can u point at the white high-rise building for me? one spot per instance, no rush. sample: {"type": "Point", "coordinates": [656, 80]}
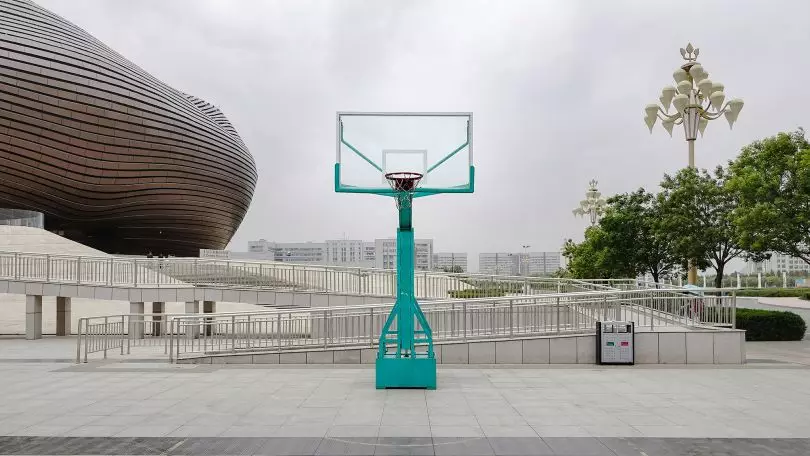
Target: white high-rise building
{"type": "Point", "coordinates": [450, 261]}
{"type": "Point", "coordinates": [386, 254]}
{"type": "Point", "coordinates": [526, 264]}
{"type": "Point", "coordinates": [345, 252]}
{"type": "Point", "coordinates": [778, 263]}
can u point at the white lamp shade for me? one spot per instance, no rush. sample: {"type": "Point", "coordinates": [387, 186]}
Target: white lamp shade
{"type": "Point", "coordinates": [651, 109]}
{"type": "Point", "coordinates": [717, 99]}
{"type": "Point", "coordinates": [680, 75]}
{"type": "Point", "coordinates": [735, 106]}
{"type": "Point", "coordinates": [705, 86]}
{"type": "Point", "coordinates": [731, 117]}
{"type": "Point", "coordinates": [680, 101]}
{"type": "Point", "coordinates": [684, 87]}
{"type": "Point", "coordinates": [650, 121]}
{"type": "Point", "coordinates": [666, 96]}
{"type": "Point", "coordinates": [718, 87]}
{"type": "Point", "coordinates": [668, 125]}
{"type": "Point", "coordinates": [697, 72]}
{"type": "Point", "coordinates": [702, 125]}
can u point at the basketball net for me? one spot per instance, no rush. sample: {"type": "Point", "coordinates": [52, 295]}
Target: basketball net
{"type": "Point", "coordinates": [404, 183]}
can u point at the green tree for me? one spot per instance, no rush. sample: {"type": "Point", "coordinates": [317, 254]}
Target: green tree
{"type": "Point", "coordinates": [634, 242]}
{"type": "Point", "coordinates": [453, 269]}
{"type": "Point", "coordinates": [586, 259]}
{"type": "Point", "coordinates": [771, 179]}
{"type": "Point", "coordinates": [697, 214]}
{"type": "Point", "coordinates": [625, 243]}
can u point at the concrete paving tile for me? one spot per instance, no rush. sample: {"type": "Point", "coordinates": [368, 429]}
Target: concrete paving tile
{"type": "Point", "coordinates": [519, 446]}
{"type": "Point", "coordinates": [251, 431]}
{"type": "Point", "coordinates": [578, 446]}
{"type": "Point", "coordinates": [453, 420]}
{"type": "Point", "coordinates": [146, 431]}
{"type": "Point", "coordinates": [285, 446]}
{"type": "Point", "coordinates": [560, 431]}
{"type": "Point", "coordinates": [198, 431]}
{"type": "Point", "coordinates": [456, 431]}
{"type": "Point", "coordinates": [509, 431]}
{"type": "Point", "coordinates": [405, 431]}
{"type": "Point", "coordinates": [300, 430]}
{"type": "Point", "coordinates": [94, 431]}
{"type": "Point", "coordinates": [458, 446]}
{"type": "Point", "coordinates": [404, 446]}
{"type": "Point", "coordinates": [353, 431]}
{"type": "Point", "coordinates": [44, 431]}
{"type": "Point", "coordinates": [361, 446]}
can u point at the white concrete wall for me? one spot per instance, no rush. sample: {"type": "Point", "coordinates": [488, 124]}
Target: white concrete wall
{"type": "Point", "coordinates": [687, 347]}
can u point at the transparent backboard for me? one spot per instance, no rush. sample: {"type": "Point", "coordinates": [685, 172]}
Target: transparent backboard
{"type": "Point", "coordinates": [436, 145]}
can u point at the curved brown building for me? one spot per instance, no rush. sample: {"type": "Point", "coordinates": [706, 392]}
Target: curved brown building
{"type": "Point", "coordinates": [113, 157]}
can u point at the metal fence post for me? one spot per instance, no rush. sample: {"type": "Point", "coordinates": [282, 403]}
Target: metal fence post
{"type": "Point", "coordinates": [233, 333]}
{"type": "Point", "coordinates": [16, 266]}
{"type": "Point", "coordinates": [79, 271]}
{"type": "Point", "coordinates": [123, 334]}
{"type": "Point", "coordinates": [110, 270]}
{"type": "Point", "coordinates": [106, 331]}
{"type": "Point", "coordinates": [733, 309]}
{"type": "Point", "coordinates": [464, 320]}
{"type": "Point", "coordinates": [47, 268]}
{"type": "Point", "coordinates": [79, 341]}
{"type": "Point", "coordinates": [371, 327]}
{"type": "Point", "coordinates": [278, 330]}
{"type": "Point", "coordinates": [558, 314]}
{"type": "Point", "coordinates": [325, 329]}
{"type": "Point", "coordinates": [135, 272]}
{"type": "Point", "coordinates": [511, 317]}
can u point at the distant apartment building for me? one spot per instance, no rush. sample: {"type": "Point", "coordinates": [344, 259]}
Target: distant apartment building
{"type": "Point", "coordinates": [289, 252]}
{"type": "Point", "coordinates": [382, 253]}
{"type": "Point", "coordinates": [777, 263]}
{"type": "Point", "coordinates": [386, 254]}
{"type": "Point", "coordinates": [526, 264]}
{"type": "Point", "coordinates": [449, 261]}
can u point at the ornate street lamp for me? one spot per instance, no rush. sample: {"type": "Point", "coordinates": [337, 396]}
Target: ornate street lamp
{"type": "Point", "coordinates": [696, 100]}
{"type": "Point", "coordinates": [593, 205]}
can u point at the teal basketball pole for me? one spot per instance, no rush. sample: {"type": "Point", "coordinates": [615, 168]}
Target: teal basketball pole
{"type": "Point", "coordinates": [400, 363]}
{"type": "Point", "coordinates": [405, 356]}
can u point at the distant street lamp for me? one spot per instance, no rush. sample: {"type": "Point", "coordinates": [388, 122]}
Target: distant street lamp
{"type": "Point", "coordinates": [593, 205]}
{"type": "Point", "coordinates": [525, 258]}
{"type": "Point", "coordinates": [696, 100]}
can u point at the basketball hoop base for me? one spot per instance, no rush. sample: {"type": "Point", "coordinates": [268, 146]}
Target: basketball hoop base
{"type": "Point", "coordinates": [406, 373]}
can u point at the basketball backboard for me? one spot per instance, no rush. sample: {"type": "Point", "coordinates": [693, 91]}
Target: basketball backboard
{"type": "Point", "coordinates": [436, 145]}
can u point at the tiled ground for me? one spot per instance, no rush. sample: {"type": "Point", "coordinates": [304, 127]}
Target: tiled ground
{"type": "Point", "coordinates": [560, 446]}
{"type": "Point", "coordinates": [161, 400]}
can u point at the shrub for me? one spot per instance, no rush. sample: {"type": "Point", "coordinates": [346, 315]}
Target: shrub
{"type": "Point", "coordinates": [764, 325]}
{"type": "Point", "coordinates": [476, 293]}
{"type": "Point", "coordinates": [774, 292]}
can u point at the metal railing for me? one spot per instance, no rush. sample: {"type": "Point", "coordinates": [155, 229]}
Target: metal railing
{"type": "Point", "coordinates": [122, 333]}
{"type": "Point", "coordinates": [477, 319]}
{"type": "Point", "coordinates": [186, 272]}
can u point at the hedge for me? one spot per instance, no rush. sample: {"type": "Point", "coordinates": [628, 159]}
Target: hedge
{"type": "Point", "coordinates": [477, 293]}
{"type": "Point", "coordinates": [803, 293]}
{"type": "Point", "coordinates": [762, 325]}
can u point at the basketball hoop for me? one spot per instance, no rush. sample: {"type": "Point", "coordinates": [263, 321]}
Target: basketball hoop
{"type": "Point", "coordinates": [404, 183]}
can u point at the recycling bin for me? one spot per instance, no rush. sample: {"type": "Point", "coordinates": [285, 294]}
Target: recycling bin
{"type": "Point", "coordinates": [615, 342]}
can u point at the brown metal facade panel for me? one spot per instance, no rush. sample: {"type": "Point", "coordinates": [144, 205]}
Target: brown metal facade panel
{"type": "Point", "coordinates": [113, 157]}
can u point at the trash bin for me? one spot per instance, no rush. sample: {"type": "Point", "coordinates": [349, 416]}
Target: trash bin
{"type": "Point", "coordinates": [615, 342]}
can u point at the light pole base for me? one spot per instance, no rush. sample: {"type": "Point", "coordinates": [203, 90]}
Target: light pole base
{"type": "Point", "coordinates": [406, 373]}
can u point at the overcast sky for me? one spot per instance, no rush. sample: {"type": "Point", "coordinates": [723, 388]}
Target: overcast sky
{"type": "Point", "coordinates": [557, 88]}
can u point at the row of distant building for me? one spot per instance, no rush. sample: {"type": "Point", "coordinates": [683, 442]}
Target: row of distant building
{"type": "Point", "coordinates": [382, 253]}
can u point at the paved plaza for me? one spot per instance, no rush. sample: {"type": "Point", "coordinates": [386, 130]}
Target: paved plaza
{"type": "Point", "coordinates": [151, 407]}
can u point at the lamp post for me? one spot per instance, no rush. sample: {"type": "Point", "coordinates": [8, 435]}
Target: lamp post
{"type": "Point", "coordinates": [696, 100]}
{"type": "Point", "coordinates": [525, 259]}
{"type": "Point", "coordinates": [593, 205]}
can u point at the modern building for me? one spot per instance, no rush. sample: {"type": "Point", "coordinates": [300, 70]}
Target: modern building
{"type": "Point", "coordinates": [777, 263]}
{"type": "Point", "coordinates": [382, 253]}
{"type": "Point", "coordinates": [290, 252]}
{"type": "Point", "coordinates": [109, 155]}
{"type": "Point", "coordinates": [526, 264]}
{"type": "Point", "coordinates": [386, 254]}
{"type": "Point", "coordinates": [449, 261]}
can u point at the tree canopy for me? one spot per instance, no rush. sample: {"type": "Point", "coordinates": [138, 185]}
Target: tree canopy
{"type": "Point", "coordinates": [771, 179]}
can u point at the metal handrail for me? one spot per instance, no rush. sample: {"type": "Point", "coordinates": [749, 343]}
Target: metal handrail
{"type": "Point", "coordinates": [187, 272]}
